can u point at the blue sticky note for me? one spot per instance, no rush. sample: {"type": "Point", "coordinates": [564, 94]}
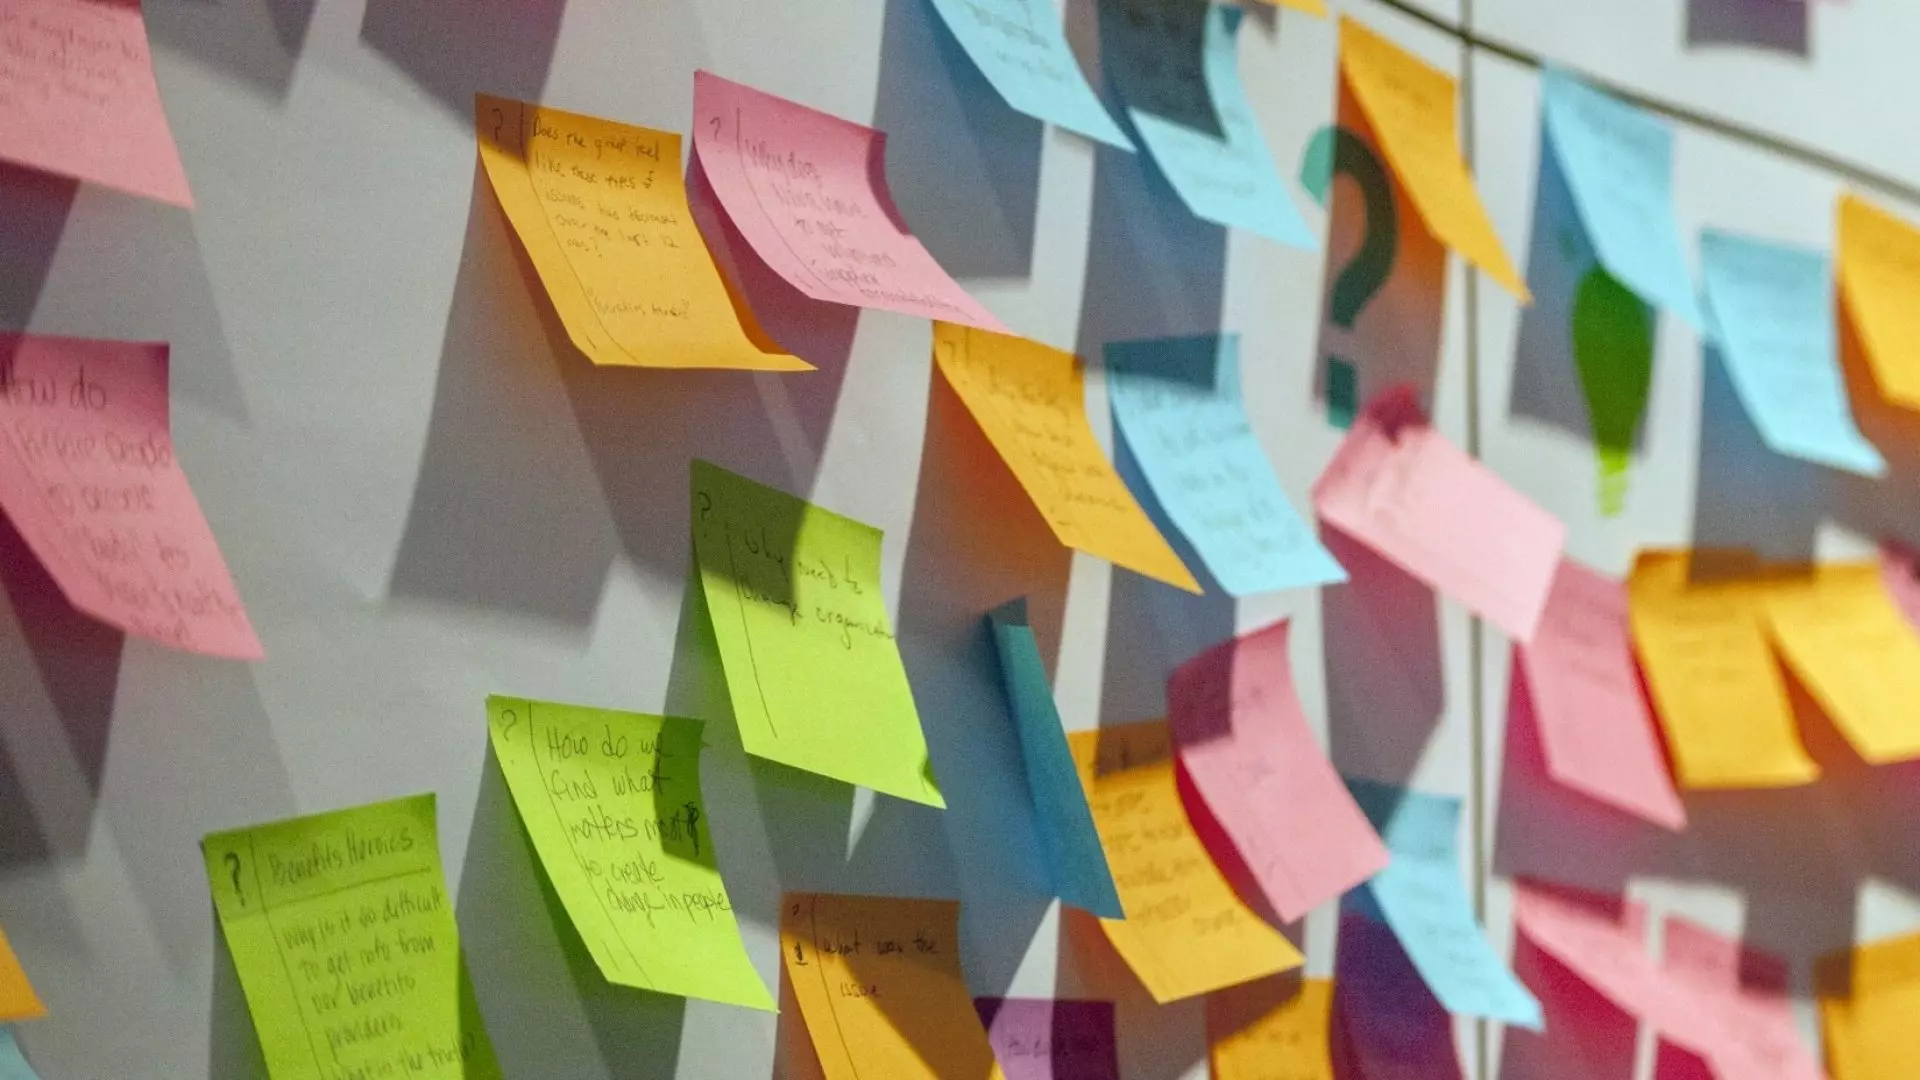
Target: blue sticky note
{"type": "Point", "coordinates": [1074, 856]}
{"type": "Point", "coordinates": [1178, 404]}
{"type": "Point", "coordinates": [1770, 309]}
{"type": "Point", "coordinates": [1618, 164]}
{"type": "Point", "coordinates": [1021, 49]}
{"type": "Point", "coordinates": [1420, 897]}
{"type": "Point", "coordinates": [13, 1064]}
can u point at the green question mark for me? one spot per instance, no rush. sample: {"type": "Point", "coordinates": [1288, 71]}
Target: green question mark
{"type": "Point", "coordinates": [1335, 151]}
{"type": "Point", "coordinates": [1613, 351]}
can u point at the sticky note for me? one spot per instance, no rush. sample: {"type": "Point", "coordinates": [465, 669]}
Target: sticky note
{"type": "Point", "coordinates": [1869, 996]}
{"type": "Point", "coordinates": [1186, 931]}
{"type": "Point", "coordinates": [1772, 320]}
{"type": "Point", "coordinates": [1700, 629]}
{"type": "Point", "coordinates": [78, 92]}
{"type": "Point", "coordinates": [1731, 1006]}
{"type": "Point", "coordinates": [1072, 845]}
{"type": "Point", "coordinates": [612, 802]}
{"type": "Point", "coordinates": [1618, 163]}
{"type": "Point", "coordinates": [1021, 48]}
{"type": "Point", "coordinates": [1387, 1024]}
{"type": "Point", "coordinates": [1240, 733]}
{"type": "Point", "coordinates": [1399, 487]}
{"type": "Point", "coordinates": [1030, 402]}
{"type": "Point", "coordinates": [601, 211]}
{"type": "Point", "coordinates": [1587, 1036]}
{"type": "Point", "coordinates": [1311, 7]}
{"type": "Point", "coordinates": [879, 983]}
{"type": "Point", "coordinates": [1595, 728]}
{"type": "Point", "coordinates": [1413, 109]}
{"type": "Point", "coordinates": [811, 665]}
{"type": "Point", "coordinates": [90, 480]}
{"type": "Point", "coordinates": [1879, 271]}
{"type": "Point", "coordinates": [17, 999]}
{"type": "Point", "coordinates": [13, 1064]}
{"type": "Point", "coordinates": [1420, 896]}
{"type": "Point", "coordinates": [1178, 404]}
{"type": "Point", "coordinates": [1597, 938]}
{"type": "Point", "coordinates": [1900, 573]}
{"type": "Point", "coordinates": [1271, 1029]}
{"type": "Point", "coordinates": [808, 191]}
{"type": "Point", "coordinates": [1051, 1039]}
{"type": "Point", "coordinates": [343, 935]}
{"type": "Point", "coordinates": [1855, 653]}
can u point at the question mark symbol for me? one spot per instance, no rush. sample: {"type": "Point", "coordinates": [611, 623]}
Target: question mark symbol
{"type": "Point", "coordinates": [715, 123]}
{"type": "Point", "coordinates": [233, 870]}
{"type": "Point", "coordinates": [1613, 352]}
{"type": "Point", "coordinates": [1335, 151]}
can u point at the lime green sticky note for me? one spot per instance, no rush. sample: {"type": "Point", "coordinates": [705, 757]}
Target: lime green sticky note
{"type": "Point", "coordinates": [811, 665]}
{"type": "Point", "coordinates": [343, 934]}
{"type": "Point", "coordinates": [612, 801]}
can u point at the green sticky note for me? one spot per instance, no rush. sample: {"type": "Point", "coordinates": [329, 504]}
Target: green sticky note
{"type": "Point", "coordinates": [612, 801]}
{"type": "Point", "coordinates": [811, 666]}
{"type": "Point", "coordinates": [343, 934]}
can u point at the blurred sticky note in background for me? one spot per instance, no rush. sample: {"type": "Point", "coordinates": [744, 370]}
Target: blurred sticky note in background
{"type": "Point", "coordinates": [1879, 256]}
{"type": "Point", "coordinates": [1051, 1039]}
{"type": "Point", "coordinates": [1031, 403]}
{"type": "Point", "coordinates": [17, 999]}
{"type": "Point", "coordinates": [1771, 310]}
{"type": "Point", "coordinates": [343, 935]}
{"type": "Point", "coordinates": [13, 1064]}
{"type": "Point", "coordinates": [612, 803]}
{"type": "Point", "coordinates": [1398, 486]}
{"type": "Point", "coordinates": [80, 99]}
{"type": "Point", "coordinates": [879, 984]}
{"type": "Point", "coordinates": [1186, 932]}
{"type": "Point", "coordinates": [1074, 857]}
{"type": "Point", "coordinates": [1021, 48]}
{"type": "Point", "coordinates": [1732, 1006]}
{"type": "Point", "coordinates": [1179, 405]}
{"type": "Point", "coordinates": [1423, 898]}
{"type": "Point", "coordinates": [808, 191]}
{"type": "Point", "coordinates": [1600, 940]}
{"type": "Point", "coordinates": [91, 482]}
{"type": "Point", "coordinates": [1618, 162]}
{"type": "Point", "coordinates": [808, 653]}
{"type": "Point", "coordinates": [1241, 735]}
{"type": "Point", "coordinates": [1595, 728]}
{"type": "Point", "coordinates": [1387, 1024]}
{"type": "Point", "coordinates": [600, 210]}
{"type": "Point", "coordinates": [1311, 7]}
{"type": "Point", "coordinates": [1413, 108]}
{"type": "Point", "coordinates": [1854, 651]}
{"type": "Point", "coordinates": [1869, 996]}
{"type": "Point", "coordinates": [1271, 1029]}
{"type": "Point", "coordinates": [1900, 573]}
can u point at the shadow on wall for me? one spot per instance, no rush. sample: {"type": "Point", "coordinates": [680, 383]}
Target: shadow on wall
{"type": "Point", "coordinates": [1745, 494]}
{"type": "Point", "coordinates": [256, 41]}
{"type": "Point", "coordinates": [450, 47]}
{"type": "Point", "coordinates": [33, 212]}
{"type": "Point", "coordinates": [1766, 25]}
{"type": "Point", "coordinates": [1386, 688]}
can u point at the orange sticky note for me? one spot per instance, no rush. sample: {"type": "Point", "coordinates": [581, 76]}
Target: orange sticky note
{"type": "Point", "coordinates": [1700, 628]}
{"type": "Point", "coordinates": [1311, 7]}
{"type": "Point", "coordinates": [1869, 997]}
{"type": "Point", "coordinates": [1856, 654]}
{"type": "Point", "coordinates": [1186, 931]}
{"type": "Point", "coordinates": [879, 984]}
{"type": "Point", "coordinates": [17, 999]}
{"type": "Point", "coordinates": [1271, 1029]}
{"type": "Point", "coordinates": [1031, 403]}
{"type": "Point", "coordinates": [1879, 277]}
{"type": "Point", "coordinates": [601, 211]}
{"type": "Point", "coordinates": [1413, 108]}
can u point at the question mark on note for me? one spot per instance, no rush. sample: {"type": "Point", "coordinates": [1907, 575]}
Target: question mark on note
{"type": "Point", "coordinates": [233, 869]}
{"type": "Point", "coordinates": [715, 121]}
{"type": "Point", "coordinates": [1336, 151]}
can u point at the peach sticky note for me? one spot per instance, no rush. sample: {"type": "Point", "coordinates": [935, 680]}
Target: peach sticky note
{"type": "Point", "coordinates": [809, 192]}
{"type": "Point", "coordinates": [1413, 108]}
{"type": "Point", "coordinates": [88, 477]}
{"type": "Point", "coordinates": [1031, 403]}
{"type": "Point", "coordinates": [17, 999]}
{"type": "Point", "coordinates": [1855, 653]}
{"type": "Point", "coordinates": [1271, 1029]}
{"type": "Point", "coordinates": [1399, 487]}
{"type": "Point", "coordinates": [1869, 997]}
{"type": "Point", "coordinates": [879, 984]}
{"type": "Point", "coordinates": [1879, 275]}
{"type": "Point", "coordinates": [1595, 729]}
{"type": "Point", "coordinates": [1241, 735]}
{"type": "Point", "coordinates": [1186, 931]}
{"type": "Point", "coordinates": [1699, 626]}
{"type": "Point", "coordinates": [601, 211]}
{"type": "Point", "coordinates": [77, 89]}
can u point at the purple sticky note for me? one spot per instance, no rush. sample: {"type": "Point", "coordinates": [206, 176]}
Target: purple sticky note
{"type": "Point", "coordinates": [1045, 1039]}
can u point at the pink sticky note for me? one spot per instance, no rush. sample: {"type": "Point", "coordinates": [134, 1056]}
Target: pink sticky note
{"type": "Point", "coordinates": [1399, 487]}
{"type": "Point", "coordinates": [1587, 1036]}
{"type": "Point", "coordinates": [77, 91]}
{"type": "Point", "coordinates": [1595, 728]}
{"type": "Point", "coordinates": [88, 477]}
{"type": "Point", "coordinates": [1243, 739]}
{"type": "Point", "coordinates": [808, 191]}
{"type": "Point", "coordinates": [1730, 1007]}
{"type": "Point", "coordinates": [1600, 940]}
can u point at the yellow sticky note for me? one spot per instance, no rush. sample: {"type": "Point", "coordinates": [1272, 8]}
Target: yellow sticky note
{"type": "Point", "coordinates": [17, 999]}
{"type": "Point", "coordinates": [1880, 280]}
{"type": "Point", "coordinates": [1311, 7]}
{"type": "Point", "coordinates": [1856, 654]}
{"type": "Point", "coordinates": [343, 935]}
{"type": "Point", "coordinates": [879, 983]}
{"type": "Point", "coordinates": [601, 211]}
{"type": "Point", "coordinates": [612, 802]}
{"type": "Point", "coordinates": [811, 665]}
{"type": "Point", "coordinates": [1413, 108]}
{"type": "Point", "coordinates": [1186, 931]}
{"type": "Point", "coordinates": [1869, 997]}
{"type": "Point", "coordinates": [1700, 628]}
{"type": "Point", "coordinates": [1031, 403]}
{"type": "Point", "coordinates": [1271, 1029]}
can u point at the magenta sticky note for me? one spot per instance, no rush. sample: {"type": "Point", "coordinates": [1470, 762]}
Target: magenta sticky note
{"type": "Point", "coordinates": [1398, 486]}
{"type": "Point", "coordinates": [1589, 1035]}
{"type": "Point", "coordinates": [1049, 1039]}
{"type": "Point", "coordinates": [89, 478]}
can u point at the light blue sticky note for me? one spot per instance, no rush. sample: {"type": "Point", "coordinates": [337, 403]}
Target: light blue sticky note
{"type": "Point", "coordinates": [1178, 403]}
{"type": "Point", "coordinates": [1420, 896]}
{"type": "Point", "coordinates": [1618, 163]}
{"type": "Point", "coordinates": [1770, 316]}
{"type": "Point", "coordinates": [1074, 857]}
{"type": "Point", "coordinates": [13, 1064]}
{"type": "Point", "coordinates": [1021, 49]}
